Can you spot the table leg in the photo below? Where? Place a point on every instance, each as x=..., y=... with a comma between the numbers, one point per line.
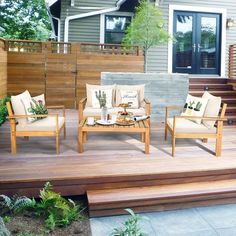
x=80, y=140
x=147, y=140
x=85, y=137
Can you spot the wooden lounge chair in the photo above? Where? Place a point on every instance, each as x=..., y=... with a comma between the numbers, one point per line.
x=51, y=125
x=182, y=127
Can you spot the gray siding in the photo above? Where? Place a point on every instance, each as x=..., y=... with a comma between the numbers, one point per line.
x=88, y=29
x=157, y=57
x=84, y=29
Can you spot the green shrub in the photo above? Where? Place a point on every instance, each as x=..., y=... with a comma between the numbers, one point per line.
x=130, y=226
x=14, y=204
x=57, y=210
x=3, y=109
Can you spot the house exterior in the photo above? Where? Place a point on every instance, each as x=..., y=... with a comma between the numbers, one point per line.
x=200, y=29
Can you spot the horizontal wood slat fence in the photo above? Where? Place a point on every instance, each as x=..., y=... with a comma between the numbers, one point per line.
x=61, y=70
x=3, y=69
x=232, y=61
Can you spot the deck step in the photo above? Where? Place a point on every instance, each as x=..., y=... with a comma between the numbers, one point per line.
x=208, y=81
x=215, y=93
x=158, y=198
x=210, y=87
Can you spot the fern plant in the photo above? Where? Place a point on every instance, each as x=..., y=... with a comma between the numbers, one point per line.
x=131, y=226
x=15, y=204
x=57, y=210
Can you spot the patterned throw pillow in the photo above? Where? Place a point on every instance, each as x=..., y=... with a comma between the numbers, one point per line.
x=130, y=97
x=194, y=106
x=33, y=107
x=95, y=101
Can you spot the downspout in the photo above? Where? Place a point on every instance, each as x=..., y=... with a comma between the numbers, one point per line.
x=58, y=27
x=58, y=22
x=93, y=13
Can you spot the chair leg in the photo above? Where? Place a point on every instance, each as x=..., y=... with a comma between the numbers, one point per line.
x=57, y=143
x=65, y=131
x=173, y=146
x=218, y=146
x=165, y=132
x=13, y=143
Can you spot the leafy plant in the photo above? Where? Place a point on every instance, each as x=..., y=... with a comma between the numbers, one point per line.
x=3, y=110
x=6, y=219
x=130, y=226
x=15, y=204
x=20, y=19
x=146, y=29
x=27, y=233
x=57, y=210
x=3, y=230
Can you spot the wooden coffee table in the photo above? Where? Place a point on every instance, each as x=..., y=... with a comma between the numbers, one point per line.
x=139, y=127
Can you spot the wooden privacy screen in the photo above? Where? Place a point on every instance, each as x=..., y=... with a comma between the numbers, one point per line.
x=3, y=70
x=61, y=70
x=232, y=61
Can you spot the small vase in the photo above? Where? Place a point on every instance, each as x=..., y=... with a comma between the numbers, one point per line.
x=104, y=114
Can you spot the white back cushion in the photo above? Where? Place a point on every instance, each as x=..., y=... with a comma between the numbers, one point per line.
x=212, y=108
x=18, y=106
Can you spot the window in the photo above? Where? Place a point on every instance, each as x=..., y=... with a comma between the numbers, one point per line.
x=115, y=27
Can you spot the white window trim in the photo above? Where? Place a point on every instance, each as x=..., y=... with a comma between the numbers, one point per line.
x=102, y=22
x=221, y=11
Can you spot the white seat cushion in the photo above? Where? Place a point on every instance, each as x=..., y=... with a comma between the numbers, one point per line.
x=46, y=124
x=89, y=111
x=187, y=126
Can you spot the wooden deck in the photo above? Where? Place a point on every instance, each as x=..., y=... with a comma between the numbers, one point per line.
x=112, y=162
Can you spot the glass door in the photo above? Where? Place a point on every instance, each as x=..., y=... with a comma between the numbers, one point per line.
x=197, y=46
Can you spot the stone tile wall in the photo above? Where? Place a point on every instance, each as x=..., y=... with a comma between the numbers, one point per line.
x=161, y=89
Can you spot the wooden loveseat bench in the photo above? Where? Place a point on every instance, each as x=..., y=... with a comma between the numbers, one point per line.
x=87, y=106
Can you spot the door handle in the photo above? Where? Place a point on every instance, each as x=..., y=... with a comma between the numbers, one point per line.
x=194, y=47
x=199, y=47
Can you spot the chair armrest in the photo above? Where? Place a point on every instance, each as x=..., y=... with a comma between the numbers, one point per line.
x=26, y=116
x=81, y=107
x=169, y=108
x=147, y=106
x=58, y=107
x=212, y=118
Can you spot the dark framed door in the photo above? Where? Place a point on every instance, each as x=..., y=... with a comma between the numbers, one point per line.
x=198, y=43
